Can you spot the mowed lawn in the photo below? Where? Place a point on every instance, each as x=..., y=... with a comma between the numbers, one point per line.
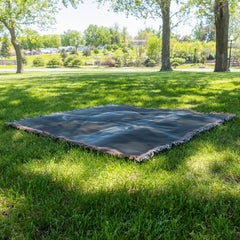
x=52, y=190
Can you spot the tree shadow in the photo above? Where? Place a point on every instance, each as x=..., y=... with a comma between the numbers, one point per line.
x=51, y=209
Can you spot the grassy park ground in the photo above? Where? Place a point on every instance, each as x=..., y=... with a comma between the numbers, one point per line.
x=52, y=190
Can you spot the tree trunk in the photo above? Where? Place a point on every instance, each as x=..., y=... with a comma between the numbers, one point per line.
x=221, y=12
x=17, y=48
x=165, y=8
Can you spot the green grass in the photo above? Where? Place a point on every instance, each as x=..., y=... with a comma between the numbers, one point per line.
x=52, y=190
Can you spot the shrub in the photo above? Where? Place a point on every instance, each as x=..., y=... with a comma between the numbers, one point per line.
x=203, y=59
x=74, y=51
x=97, y=62
x=126, y=59
x=68, y=60
x=115, y=46
x=109, y=61
x=109, y=48
x=125, y=50
x=150, y=62
x=105, y=52
x=175, y=64
x=96, y=50
x=63, y=54
x=54, y=62
x=76, y=62
x=131, y=46
x=38, y=62
x=178, y=60
x=86, y=52
x=119, y=60
x=138, y=62
x=118, y=52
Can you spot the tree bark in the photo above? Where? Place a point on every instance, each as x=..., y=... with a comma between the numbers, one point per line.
x=17, y=48
x=165, y=8
x=221, y=12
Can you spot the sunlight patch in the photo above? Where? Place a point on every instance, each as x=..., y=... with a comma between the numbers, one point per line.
x=125, y=131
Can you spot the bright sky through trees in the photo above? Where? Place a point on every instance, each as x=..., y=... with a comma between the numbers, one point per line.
x=88, y=13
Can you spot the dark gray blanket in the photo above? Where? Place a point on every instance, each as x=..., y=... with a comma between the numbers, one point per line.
x=126, y=131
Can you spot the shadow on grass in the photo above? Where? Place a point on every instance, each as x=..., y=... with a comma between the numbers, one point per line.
x=109, y=198
x=45, y=204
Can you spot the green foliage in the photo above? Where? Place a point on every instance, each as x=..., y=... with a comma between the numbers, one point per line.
x=115, y=35
x=178, y=60
x=97, y=62
x=77, y=62
x=125, y=50
x=97, y=36
x=138, y=62
x=175, y=64
x=150, y=62
x=86, y=52
x=234, y=25
x=119, y=60
x=71, y=38
x=192, y=50
x=5, y=49
x=17, y=14
x=51, y=41
x=68, y=60
x=145, y=35
x=38, y=62
x=205, y=33
x=105, y=51
x=115, y=47
x=118, y=52
x=73, y=61
x=31, y=40
x=126, y=59
x=154, y=48
x=63, y=54
x=74, y=51
x=109, y=47
x=96, y=50
x=54, y=62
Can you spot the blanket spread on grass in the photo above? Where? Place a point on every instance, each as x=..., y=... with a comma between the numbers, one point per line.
x=125, y=131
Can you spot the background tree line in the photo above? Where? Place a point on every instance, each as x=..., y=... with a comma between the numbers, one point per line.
x=17, y=15
x=196, y=48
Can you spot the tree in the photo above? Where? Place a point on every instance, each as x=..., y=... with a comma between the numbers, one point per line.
x=31, y=41
x=221, y=10
x=144, y=9
x=72, y=38
x=15, y=15
x=234, y=25
x=97, y=36
x=5, y=49
x=124, y=35
x=51, y=41
x=115, y=35
x=144, y=35
x=154, y=48
x=205, y=32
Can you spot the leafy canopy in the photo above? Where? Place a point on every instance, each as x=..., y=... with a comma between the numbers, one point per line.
x=21, y=13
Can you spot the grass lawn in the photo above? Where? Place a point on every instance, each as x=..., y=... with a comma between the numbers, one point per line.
x=52, y=190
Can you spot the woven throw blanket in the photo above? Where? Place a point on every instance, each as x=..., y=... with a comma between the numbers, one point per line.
x=125, y=131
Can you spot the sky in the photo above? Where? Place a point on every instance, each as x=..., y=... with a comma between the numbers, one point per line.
x=88, y=13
